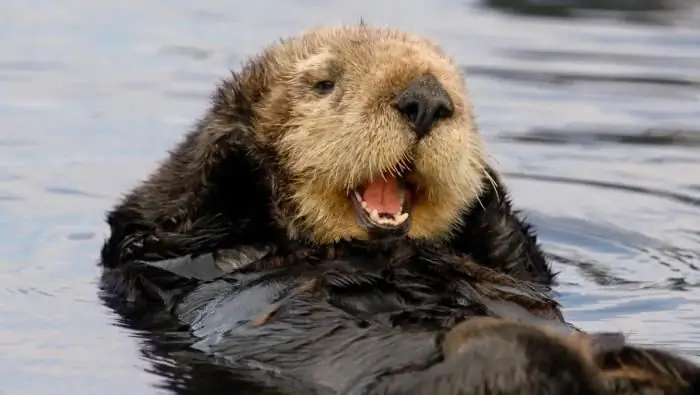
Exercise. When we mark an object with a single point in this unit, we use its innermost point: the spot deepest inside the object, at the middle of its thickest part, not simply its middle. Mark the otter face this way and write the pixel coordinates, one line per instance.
(375, 133)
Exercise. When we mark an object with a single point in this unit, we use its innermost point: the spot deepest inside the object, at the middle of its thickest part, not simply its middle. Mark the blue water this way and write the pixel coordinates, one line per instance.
(594, 118)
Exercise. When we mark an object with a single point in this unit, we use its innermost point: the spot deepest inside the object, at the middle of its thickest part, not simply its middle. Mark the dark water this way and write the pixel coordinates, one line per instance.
(593, 113)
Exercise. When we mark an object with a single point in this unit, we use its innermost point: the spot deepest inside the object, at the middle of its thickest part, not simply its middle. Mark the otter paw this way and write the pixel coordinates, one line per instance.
(136, 246)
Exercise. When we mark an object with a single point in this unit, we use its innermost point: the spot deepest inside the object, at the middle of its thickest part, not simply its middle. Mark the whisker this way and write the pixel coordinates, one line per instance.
(492, 181)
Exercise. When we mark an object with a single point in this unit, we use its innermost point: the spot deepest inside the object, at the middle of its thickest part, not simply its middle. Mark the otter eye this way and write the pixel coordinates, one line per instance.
(324, 87)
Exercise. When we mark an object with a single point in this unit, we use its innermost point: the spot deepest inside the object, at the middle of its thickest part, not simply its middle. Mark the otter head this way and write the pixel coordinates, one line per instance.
(373, 132)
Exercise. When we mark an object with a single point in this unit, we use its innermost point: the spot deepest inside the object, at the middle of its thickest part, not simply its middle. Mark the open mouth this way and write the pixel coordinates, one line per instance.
(383, 204)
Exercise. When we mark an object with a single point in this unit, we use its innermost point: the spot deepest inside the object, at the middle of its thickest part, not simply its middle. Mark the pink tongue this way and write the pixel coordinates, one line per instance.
(383, 195)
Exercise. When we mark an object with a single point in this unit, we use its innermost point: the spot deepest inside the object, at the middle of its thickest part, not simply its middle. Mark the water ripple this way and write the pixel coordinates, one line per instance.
(693, 201)
(606, 135)
(558, 78)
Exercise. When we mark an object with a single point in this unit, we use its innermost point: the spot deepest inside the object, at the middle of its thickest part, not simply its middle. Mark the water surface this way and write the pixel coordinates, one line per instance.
(592, 114)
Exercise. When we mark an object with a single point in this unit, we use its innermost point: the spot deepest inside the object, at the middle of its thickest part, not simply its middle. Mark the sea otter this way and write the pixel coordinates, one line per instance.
(334, 204)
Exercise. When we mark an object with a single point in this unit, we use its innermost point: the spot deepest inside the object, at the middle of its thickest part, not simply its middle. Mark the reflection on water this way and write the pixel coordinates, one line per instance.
(592, 115)
(639, 11)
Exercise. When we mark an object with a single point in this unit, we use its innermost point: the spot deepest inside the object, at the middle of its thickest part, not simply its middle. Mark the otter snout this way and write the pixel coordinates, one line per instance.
(424, 102)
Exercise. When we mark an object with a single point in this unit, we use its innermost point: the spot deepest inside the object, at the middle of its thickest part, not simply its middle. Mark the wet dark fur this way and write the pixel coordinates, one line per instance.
(343, 326)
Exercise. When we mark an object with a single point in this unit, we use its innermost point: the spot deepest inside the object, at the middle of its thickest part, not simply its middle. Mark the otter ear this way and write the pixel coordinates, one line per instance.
(204, 193)
(494, 236)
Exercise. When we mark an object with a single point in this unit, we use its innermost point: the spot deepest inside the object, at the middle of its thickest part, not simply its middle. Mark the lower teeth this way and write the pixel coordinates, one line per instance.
(393, 220)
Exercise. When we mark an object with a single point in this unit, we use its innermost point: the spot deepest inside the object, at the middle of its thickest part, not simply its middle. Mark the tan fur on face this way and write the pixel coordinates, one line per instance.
(330, 144)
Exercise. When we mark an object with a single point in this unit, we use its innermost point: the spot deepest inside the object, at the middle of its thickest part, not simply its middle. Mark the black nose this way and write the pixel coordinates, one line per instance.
(424, 102)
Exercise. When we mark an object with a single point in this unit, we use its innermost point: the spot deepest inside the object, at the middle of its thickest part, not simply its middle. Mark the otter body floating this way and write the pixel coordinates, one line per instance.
(329, 218)
(344, 325)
